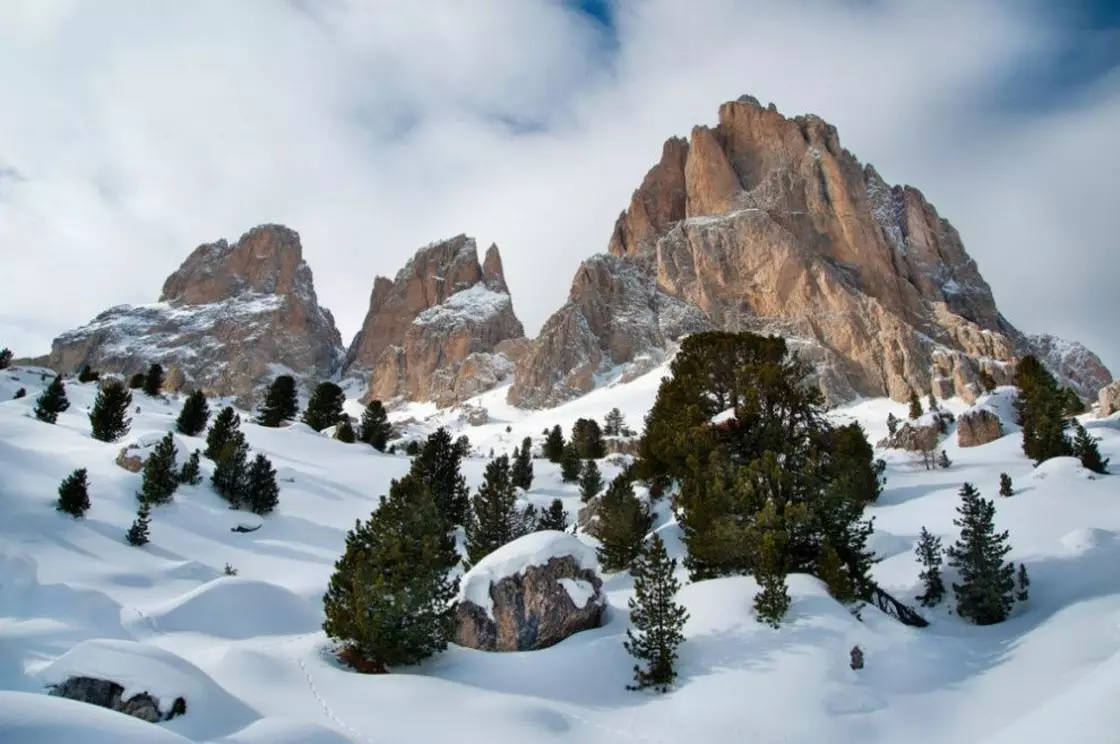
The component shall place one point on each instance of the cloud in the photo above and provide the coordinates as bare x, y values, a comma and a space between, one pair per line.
376, 127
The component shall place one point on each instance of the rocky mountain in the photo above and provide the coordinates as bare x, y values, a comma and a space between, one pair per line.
766, 223
443, 330
231, 318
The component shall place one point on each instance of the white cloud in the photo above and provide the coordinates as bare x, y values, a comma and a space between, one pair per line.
141, 130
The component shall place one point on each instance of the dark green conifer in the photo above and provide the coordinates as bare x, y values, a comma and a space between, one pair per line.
943, 460
375, 428
73, 494
554, 444
136, 382
437, 466
656, 620
226, 424
137, 534
345, 431
587, 439
985, 593
262, 494
230, 477
590, 481
281, 402
1005, 487
5, 358
569, 464
161, 477
987, 382
1023, 581
772, 601
88, 375
325, 407
194, 415
108, 418
1040, 408
928, 551
191, 474
892, 424
495, 518
153, 381
622, 526
554, 518
614, 423
52, 402
915, 406
523, 464
1085, 449
21, 393
390, 601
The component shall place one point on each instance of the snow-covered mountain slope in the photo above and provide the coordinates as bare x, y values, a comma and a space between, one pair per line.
73, 595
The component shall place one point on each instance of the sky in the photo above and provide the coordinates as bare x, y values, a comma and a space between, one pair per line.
132, 132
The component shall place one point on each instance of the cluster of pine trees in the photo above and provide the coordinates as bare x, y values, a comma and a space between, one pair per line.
1044, 410
244, 484
324, 409
150, 382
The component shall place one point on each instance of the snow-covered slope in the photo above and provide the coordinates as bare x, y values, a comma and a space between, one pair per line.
251, 647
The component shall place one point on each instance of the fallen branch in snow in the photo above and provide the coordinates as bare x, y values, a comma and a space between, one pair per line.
243, 528
896, 609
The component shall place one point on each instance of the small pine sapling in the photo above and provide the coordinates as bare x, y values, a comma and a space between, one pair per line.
73, 494
137, 534
1023, 581
1005, 488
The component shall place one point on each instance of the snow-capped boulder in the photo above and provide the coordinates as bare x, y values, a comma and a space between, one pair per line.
133, 455
107, 694
978, 426
1109, 400
916, 436
530, 594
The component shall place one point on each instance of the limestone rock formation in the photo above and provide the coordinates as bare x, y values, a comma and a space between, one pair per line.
765, 223
915, 436
978, 426
1109, 400
443, 330
530, 594
226, 320
1072, 363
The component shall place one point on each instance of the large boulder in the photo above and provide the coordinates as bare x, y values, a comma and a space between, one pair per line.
1109, 400
978, 426
109, 694
915, 436
530, 594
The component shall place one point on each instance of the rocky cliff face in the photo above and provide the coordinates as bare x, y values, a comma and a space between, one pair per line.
766, 223
229, 319
443, 330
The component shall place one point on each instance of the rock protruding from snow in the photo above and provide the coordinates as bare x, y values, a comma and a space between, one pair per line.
977, 426
1071, 362
442, 331
133, 455
530, 594
229, 320
916, 436
1108, 400
108, 694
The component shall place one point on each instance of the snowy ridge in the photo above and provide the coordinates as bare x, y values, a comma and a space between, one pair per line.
471, 306
1071, 362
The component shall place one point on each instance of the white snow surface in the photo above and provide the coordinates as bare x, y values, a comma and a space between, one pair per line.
254, 666
580, 590
535, 549
469, 306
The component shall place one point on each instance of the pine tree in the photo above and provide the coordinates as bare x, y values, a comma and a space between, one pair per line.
622, 526
153, 381
52, 402
495, 519
5, 358
345, 431
194, 415
281, 402
191, 474
987, 382
262, 494
21, 393
523, 464
136, 382
587, 438
230, 478
437, 466
138, 533
1040, 409
1085, 449
1023, 581
160, 476
1005, 488
943, 460
88, 375
554, 444
375, 428
915, 406
325, 407
892, 424
226, 424
569, 464
554, 518
390, 601
73, 494
656, 620
109, 416
928, 551
590, 481
614, 423
984, 595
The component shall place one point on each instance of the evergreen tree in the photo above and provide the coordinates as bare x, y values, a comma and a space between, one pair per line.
590, 481
772, 601
987, 382
226, 424
915, 406
892, 424
88, 375
262, 494
73, 494
1040, 409
281, 402
656, 620
194, 415
137, 534
230, 478
928, 552
569, 464
160, 475
1085, 449
345, 431
1005, 487
375, 428
943, 460
495, 519
614, 423
153, 381
587, 439
412, 449
5, 358
109, 416
21, 393
523, 464
191, 474
622, 526
437, 466
984, 595
554, 444
52, 402
554, 518
325, 407
136, 382
390, 601
1074, 405
1023, 581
